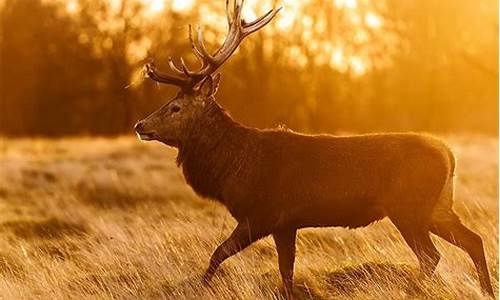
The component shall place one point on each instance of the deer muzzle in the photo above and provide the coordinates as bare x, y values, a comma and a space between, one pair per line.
142, 134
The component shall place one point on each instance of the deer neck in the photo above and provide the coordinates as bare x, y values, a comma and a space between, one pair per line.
212, 151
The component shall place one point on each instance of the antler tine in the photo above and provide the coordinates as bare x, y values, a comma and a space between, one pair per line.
154, 74
228, 15
258, 19
237, 31
203, 49
195, 50
185, 68
173, 67
238, 5
233, 37
261, 22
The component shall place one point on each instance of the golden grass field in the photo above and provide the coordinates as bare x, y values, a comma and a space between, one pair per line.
95, 218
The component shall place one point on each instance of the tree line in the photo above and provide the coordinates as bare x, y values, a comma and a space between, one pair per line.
381, 66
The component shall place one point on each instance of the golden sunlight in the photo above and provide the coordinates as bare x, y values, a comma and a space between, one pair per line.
350, 4
357, 65
182, 5
72, 6
290, 11
119, 179
338, 60
249, 10
154, 6
372, 20
291, 16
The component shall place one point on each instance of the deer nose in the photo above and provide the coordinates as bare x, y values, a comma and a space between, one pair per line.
139, 126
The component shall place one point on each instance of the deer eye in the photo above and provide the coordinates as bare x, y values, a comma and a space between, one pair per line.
176, 108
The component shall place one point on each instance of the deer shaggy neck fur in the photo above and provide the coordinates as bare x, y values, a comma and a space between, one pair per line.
215, 148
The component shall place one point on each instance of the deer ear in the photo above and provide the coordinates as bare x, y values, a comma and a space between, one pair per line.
206, 86
209, 85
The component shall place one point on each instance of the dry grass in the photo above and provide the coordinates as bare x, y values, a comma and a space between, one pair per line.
113, 219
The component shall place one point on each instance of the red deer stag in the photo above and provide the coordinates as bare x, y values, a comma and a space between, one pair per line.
274, 182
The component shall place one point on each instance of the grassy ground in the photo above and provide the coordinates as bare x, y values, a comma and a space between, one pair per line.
114, 219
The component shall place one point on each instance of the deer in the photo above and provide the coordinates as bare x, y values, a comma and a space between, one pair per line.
275, 182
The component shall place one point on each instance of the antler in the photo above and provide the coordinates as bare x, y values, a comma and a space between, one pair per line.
238, 30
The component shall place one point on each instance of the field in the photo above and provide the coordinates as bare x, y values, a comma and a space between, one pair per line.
113, 219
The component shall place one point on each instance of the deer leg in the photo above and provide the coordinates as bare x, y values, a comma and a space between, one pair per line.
417, 237
285, 245
240, 238
453, 231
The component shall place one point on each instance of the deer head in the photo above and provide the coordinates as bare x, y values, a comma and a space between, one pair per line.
197, 87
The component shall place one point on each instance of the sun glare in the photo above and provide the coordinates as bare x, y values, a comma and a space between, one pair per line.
288, 15
357, 65
154, 6
182, 5
72, 6
351, 4
372, 20
337, 59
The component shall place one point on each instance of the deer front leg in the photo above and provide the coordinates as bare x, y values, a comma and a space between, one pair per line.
242, 236
285, 245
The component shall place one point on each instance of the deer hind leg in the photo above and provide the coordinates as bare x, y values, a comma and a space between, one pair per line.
418, 239
285, 246
452, 230
240, 238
